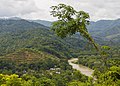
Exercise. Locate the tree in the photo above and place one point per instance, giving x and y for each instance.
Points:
(105, 54)
(12, 80)
(77, 83)
(110, 78)
(70, 22)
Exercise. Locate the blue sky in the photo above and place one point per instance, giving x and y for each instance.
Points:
(39, 9)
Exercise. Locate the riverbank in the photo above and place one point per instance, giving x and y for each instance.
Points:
(83, 69)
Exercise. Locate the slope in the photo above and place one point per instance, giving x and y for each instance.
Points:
(106, 29)
(17, 34)
(102, 31)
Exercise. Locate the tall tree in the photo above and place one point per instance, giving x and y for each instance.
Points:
(70, 22)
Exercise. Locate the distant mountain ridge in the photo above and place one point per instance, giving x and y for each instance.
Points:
(106, 29)
(11, 18)
(43, 22)
(21, 23)
(18, 29)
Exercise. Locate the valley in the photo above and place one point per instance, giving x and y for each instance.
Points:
(35, 56)
(59, 43)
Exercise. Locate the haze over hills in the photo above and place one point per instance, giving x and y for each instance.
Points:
(43, 22)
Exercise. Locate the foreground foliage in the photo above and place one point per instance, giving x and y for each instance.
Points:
(66, 78)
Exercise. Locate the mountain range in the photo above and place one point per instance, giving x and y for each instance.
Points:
(107, 30)
(17, 33)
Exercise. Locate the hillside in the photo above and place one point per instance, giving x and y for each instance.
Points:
(102, 30)
(23, 56)
(27, 60)
(40, 58)
(17, 34)
(106, 29)
(12, 25)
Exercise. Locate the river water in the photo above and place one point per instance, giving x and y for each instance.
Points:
(83, 69)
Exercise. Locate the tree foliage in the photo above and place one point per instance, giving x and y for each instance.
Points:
(70, 22)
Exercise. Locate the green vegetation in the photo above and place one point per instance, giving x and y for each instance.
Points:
(92, 60)
(107, 68)
(31, 55)
(29, 80)
(108, 30)
(35, 68)
(70, 22)
(18, 34)
(68, 25)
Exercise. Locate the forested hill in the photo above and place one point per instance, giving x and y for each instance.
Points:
(40, 58)
(18, 33)
(107, 30)
(12, 25)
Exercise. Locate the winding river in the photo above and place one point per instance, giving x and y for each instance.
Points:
(83, 69)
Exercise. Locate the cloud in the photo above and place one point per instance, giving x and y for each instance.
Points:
(16, 7)
(100, 9)
(40, 9)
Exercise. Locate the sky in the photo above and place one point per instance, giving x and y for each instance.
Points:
(40, 9)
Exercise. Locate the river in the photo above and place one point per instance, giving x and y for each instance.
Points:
(83, 69)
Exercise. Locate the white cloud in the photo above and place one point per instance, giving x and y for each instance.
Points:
(39, 9)
(17, 7)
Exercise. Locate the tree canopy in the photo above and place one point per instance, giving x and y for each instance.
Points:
(70, 22)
